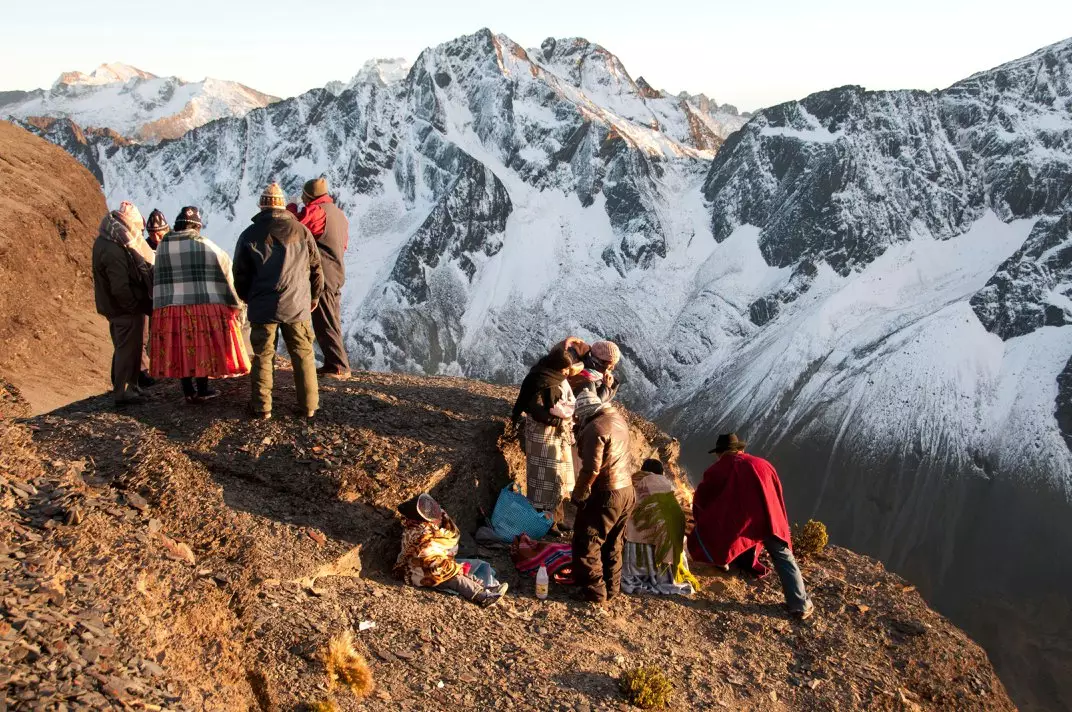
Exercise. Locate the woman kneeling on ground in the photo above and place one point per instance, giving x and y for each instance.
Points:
(429, 542)
(196, 333)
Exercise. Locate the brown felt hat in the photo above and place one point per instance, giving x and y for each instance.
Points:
(727, 441)
(316, 187)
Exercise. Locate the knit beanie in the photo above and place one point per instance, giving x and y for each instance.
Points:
(131, 217)
(189, 219)
(588, 406)
(315, 188)
(157, 222)
(273, 198)
(607, 352)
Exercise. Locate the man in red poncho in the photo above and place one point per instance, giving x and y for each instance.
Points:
(739, 509)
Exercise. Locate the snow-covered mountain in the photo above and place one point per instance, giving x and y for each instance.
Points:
(873, 287)
(134, 103)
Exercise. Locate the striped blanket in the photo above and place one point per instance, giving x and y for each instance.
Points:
(529, 555)
(191, 269)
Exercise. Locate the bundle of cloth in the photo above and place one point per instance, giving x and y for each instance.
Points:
(529, 555)
(653, 558)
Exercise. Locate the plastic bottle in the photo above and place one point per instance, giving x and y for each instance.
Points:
(541, 583)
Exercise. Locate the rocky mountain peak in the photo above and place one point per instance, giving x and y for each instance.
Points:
(110, 73)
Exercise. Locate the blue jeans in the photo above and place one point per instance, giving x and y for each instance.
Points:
(789, 573)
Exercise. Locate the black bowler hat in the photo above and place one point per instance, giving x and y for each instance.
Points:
(727, 441)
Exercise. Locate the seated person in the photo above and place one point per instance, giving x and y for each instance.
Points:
(653, 560)
(739, 510)
(429, 542)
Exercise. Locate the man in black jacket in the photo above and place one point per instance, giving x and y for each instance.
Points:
(277, 273)
(331, 230)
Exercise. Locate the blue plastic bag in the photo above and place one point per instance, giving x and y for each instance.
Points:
(514, 515)
(481, 571)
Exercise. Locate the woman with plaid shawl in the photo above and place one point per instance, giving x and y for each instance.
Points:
(548, 402)
(196, 326)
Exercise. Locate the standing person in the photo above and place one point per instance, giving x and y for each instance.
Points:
(546, 398)
(277, 273)
(122, 290)
(331, 230)
(739, 509)
(604, 497)
(157, 226)
(429, 544)
(197, 331)
(597, 381)
(598, 374)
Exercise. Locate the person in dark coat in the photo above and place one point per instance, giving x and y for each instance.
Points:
(277, 273)
(331, 230)
(739, 509)
(605, 499)
(122, 290)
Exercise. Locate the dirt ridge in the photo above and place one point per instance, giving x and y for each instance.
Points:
(223, 554)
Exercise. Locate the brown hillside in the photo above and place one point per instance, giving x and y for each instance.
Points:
(187, 558)
(55, 348)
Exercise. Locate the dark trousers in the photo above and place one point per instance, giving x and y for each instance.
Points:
(128, 351)
(598, 536)
(796, 598)
(194, 386)
(327, 323)
(299, 340)
(465, 586)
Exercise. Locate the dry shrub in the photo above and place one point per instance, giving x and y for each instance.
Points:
(647, 687)
(810, 538)
(346, 666)
(328, 704)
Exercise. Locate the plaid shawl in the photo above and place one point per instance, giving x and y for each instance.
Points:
(191, 269)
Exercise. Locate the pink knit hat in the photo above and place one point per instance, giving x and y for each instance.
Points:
(607, 352)
(131, 217)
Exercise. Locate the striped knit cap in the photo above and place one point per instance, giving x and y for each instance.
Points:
(273, 198)
(157, 222)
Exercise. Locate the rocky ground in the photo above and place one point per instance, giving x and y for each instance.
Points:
(186, 558)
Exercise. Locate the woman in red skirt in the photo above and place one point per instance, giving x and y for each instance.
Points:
(196, 326)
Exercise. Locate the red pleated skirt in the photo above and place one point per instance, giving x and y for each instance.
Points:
(197, 340)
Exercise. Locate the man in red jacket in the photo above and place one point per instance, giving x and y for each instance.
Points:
(739, 509)
(331, 230)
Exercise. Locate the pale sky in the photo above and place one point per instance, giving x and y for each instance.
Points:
(750, 54)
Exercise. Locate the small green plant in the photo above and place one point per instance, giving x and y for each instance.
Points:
(810, 538)
(646, 687)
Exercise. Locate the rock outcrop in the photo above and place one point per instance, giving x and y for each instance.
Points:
(55, 348)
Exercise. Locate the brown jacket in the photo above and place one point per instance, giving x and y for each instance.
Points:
(122, 278)
(604, 450)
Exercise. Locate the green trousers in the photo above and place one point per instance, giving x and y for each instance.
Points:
(299, 340)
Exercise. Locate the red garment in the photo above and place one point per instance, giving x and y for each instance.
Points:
(738, 504)
(312, 215)
(197, 340)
